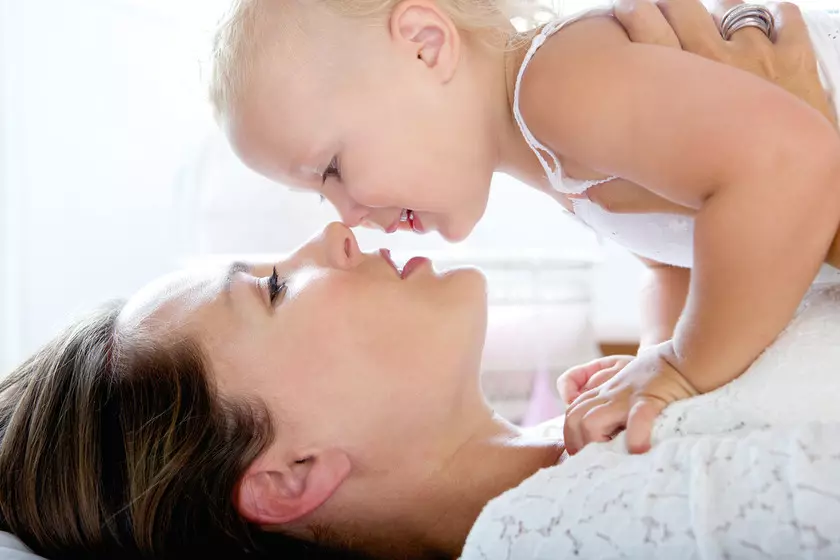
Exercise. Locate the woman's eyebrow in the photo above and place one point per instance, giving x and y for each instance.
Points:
(235, 268)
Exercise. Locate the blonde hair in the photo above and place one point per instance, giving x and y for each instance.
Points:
(242, 32)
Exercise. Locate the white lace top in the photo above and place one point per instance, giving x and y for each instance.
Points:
(666, 238)
(751, 470)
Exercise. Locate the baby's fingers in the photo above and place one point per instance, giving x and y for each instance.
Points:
(571, 382)
(570, 385)
(603, 376)
(579, 379)
(594, 420)
(640, 423)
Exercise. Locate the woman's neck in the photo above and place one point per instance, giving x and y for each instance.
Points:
(433, 519)
(483, 470)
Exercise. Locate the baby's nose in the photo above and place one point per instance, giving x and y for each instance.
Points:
(373, 224)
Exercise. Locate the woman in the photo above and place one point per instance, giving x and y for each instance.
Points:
(285, 399)
(329, 397)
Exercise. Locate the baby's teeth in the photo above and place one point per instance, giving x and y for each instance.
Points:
(404, 215)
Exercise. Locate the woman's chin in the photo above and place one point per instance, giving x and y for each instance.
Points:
(467, 296)
(471, 280)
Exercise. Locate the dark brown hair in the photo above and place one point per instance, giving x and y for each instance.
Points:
(112, 446)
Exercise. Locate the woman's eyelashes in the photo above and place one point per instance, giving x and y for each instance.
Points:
(276, 288)
(332, 170)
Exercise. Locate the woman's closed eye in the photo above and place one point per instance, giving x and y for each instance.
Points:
(277, 288)
(332, 170)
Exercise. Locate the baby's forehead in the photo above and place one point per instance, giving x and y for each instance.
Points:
(297, 41)
(292, 33)
(270, 47)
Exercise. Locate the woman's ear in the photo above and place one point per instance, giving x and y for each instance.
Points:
(427, 34)
(277, 494)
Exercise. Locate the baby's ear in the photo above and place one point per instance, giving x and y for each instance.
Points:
(428, 34)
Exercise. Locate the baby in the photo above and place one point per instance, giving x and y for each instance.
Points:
(398, 112)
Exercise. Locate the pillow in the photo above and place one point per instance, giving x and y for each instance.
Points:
(11, 548)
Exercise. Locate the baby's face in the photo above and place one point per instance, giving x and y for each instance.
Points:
(377, 118)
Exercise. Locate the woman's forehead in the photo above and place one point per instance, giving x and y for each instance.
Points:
(170, 301)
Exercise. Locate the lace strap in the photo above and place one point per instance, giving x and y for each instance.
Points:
(538, 148)
(553, 169)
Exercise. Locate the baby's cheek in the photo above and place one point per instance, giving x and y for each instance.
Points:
(380, 190)
(456, 227)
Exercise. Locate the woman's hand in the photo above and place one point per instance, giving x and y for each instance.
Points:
(579, 379)
(632, 397)
(789, 61)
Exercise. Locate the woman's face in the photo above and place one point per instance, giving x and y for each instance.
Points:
(350, 353)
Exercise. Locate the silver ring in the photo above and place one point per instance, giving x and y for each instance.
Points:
(747, 15)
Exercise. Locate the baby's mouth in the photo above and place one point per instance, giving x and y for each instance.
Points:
(407, 217)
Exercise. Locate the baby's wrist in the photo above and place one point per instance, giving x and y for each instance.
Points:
(696, 374)
(653, 337)
(668, 354)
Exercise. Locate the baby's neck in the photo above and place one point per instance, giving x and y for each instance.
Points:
(495, 68)
(515, 156)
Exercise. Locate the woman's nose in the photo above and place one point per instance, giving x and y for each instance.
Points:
(340, 246)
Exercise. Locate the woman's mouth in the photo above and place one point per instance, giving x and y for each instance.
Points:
(412, 265)
(386, 254)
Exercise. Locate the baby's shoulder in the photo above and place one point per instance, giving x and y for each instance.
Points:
(581, 37)
(567, 65)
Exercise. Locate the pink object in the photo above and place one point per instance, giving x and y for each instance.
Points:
(544, 403)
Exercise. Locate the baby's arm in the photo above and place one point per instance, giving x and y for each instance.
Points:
(662, 301)
(760, 166)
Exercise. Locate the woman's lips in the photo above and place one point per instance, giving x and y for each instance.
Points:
(386, 254)
(412, 265)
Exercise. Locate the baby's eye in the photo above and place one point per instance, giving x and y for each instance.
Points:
(332, 170)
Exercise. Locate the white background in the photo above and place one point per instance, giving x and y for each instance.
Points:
(111, 172)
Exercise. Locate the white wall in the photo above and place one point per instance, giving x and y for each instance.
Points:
(7, 317)
(96, 129)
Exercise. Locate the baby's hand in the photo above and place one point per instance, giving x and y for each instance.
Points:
(631, 398)
(579, 379)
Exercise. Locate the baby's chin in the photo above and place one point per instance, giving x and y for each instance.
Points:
(457, 232)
